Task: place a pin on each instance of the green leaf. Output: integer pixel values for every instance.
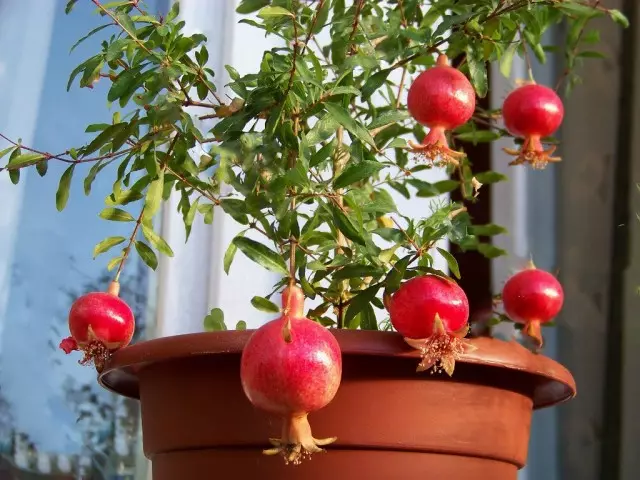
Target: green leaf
(262, 255)
(250, 6)
(114, 262)
(107, 244)
(264, 305)
(156, 241)
(388, 118)
(116, 215)
(356, 172)
(274, 12)
(214, 322)
(241, 325)
(618, 17)
(346, 226)
(91, 176)
(374, 82)
(451, 261)
(346, 120)
(24, 159)
(147, 255)
(62, 195)
(228, 256)
(490, 251)
(368, 320)
(127, 24)
(343, 91)
(507, 60)
(91, 33)
(486, 230)
(478, 69)
(478, 136)
(490, 177)
(357, 271)
(153, 198)
(236, 208)
(358, 303)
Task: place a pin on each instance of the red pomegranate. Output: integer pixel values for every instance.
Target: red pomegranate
(532, 297)
(441, 98)
(533, 112)
(290, 367)
(432, 314)
(99, 323)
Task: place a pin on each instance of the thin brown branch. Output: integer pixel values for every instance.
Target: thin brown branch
(401, 86)
(294, 58)
(60, 157)
(314, 21)
(131, 34)
(202, 192)
(356, 22)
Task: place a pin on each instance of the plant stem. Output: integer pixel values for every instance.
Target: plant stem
(127, 249)
(401, 86)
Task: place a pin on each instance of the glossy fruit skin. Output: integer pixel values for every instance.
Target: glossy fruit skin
(291, 378)
(532, 110)
(413, 307)
(532, 295)
(103, 317)
(441, 97)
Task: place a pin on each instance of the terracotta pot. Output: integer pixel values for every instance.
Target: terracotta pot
(391, 422)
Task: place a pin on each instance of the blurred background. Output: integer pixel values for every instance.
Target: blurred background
(578, 218)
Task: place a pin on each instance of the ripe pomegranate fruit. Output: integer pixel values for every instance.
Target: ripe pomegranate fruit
(432, 314)
(532, 297)
(532, 112)
(100, 323)
(290, 367)
(441, 98)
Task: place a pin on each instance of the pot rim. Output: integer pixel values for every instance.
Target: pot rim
(553, 383)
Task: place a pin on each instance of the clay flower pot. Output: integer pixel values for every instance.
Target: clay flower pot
(391, 422)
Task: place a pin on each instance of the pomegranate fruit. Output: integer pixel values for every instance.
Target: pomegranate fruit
(441, 98)
(533, 112)
(432, 314)
(290, 367)
(99, 323)
(532, 297)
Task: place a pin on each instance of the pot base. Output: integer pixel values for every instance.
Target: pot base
(338, 464)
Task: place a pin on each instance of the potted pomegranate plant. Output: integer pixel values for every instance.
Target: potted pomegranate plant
(359, 101)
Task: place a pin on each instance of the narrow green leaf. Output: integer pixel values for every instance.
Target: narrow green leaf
(229, 256)
(346, 120)
(114, 262)
(346, 226)
(368, 320)
(235, 208)
(214, 322)
(478, 69)
(619, 17)
(486, 230)
(374, 82)
(507, 60)
(388, 118)
(490, 177)
(24, 159)
(156, 241)
(262, 255)
(147, 255)
(274, 12)
(107, 244)
(357, 271)
(358, 303)
(250, 6)
(153, 199)
(116, 215)
(62, 195)
(91, 176)
(451, 261)
(91, 33)
(264, 305)
(356, 172)
(127, 24)
(490, 251)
